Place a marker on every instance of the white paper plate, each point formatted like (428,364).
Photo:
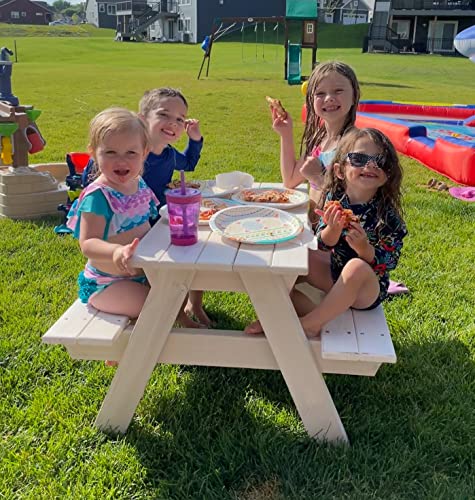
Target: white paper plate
(207,204)
(296,198)
(256,225)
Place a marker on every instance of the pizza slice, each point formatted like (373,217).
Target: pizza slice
(276,105)
(348,215)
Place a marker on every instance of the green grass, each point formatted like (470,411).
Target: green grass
(210,433)
(32,30)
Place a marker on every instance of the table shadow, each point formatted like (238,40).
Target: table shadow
(223,427)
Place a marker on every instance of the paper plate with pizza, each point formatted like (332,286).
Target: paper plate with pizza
(272,197)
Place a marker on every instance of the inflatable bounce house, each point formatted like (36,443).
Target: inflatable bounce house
(442,137)
(25,191)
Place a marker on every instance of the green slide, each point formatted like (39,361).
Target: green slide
(294,64)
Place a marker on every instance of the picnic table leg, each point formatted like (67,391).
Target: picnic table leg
(168,290)
(292,352)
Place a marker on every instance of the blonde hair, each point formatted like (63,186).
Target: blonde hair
(315,130)
(151,99)
(116,120)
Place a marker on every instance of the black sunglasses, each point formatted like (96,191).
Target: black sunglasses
(360,160)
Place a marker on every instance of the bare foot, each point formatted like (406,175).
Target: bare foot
(254,328)
(200,314)
(111,363)
(186,322)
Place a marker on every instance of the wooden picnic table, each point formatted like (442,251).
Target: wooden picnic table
(266,273)
(356,342)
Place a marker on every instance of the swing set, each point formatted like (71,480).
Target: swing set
(262,25)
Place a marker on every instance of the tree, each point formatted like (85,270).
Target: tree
(60,5)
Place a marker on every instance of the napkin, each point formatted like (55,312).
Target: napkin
(234,179)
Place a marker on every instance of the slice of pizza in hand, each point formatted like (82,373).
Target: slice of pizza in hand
(348,215)
(276,105)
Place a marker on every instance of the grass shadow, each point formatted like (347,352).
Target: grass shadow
(226,429)
(386,85)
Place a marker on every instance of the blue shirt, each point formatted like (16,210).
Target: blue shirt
(158,169)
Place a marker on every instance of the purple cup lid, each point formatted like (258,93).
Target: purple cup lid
(191,195)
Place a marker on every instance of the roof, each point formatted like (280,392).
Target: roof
(42,5)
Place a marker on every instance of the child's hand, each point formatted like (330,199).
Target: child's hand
(122,256)
(333,218)
(312,170)
(357,238)
(192,128)
(281,126)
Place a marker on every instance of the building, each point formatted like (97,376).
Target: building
(185,20)
(24,12)
(101,14)
(421,26)
(346,11)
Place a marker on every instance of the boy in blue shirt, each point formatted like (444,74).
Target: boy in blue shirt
(164,112)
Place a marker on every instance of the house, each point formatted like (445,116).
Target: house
(24,12)
(346,11)
(199,16)
(102,14)
(421,26)
(185,20)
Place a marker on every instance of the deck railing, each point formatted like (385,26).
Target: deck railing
(433,4)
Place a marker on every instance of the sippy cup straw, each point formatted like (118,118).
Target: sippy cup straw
(183,192)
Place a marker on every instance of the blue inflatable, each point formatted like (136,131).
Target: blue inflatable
(464,42)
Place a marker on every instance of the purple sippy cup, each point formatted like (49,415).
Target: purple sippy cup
(183,215)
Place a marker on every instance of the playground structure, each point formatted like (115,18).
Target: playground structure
(300,12)
(25,191)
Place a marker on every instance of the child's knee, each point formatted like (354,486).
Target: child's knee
(357,269)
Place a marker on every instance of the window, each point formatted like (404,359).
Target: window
(111,9)
(188,25)
(401,27)
(102,7)
(14,14)
(23,14)
(39,13)
(180,24)
(309,28)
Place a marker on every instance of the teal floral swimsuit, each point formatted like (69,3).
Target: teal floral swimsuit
(122,213)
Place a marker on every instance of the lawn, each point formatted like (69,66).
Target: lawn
(210,433)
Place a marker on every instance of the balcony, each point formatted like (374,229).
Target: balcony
(433,4)
(139,7)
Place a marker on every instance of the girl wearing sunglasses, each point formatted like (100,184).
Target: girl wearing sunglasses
(366,179)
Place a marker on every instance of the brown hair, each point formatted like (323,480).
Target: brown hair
(314,127)
(151,98)
(389,195)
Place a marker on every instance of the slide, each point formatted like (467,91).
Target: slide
(294,64)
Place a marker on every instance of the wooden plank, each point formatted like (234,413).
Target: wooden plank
(187,346)
(103,329)
(292,352)
(255,258)
(152,245)
(168,290)
(339,338)
(70,324)
(373,336)
(218,254)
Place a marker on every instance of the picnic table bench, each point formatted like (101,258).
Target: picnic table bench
(356,342)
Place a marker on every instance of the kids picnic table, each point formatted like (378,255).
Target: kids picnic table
(266,273)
